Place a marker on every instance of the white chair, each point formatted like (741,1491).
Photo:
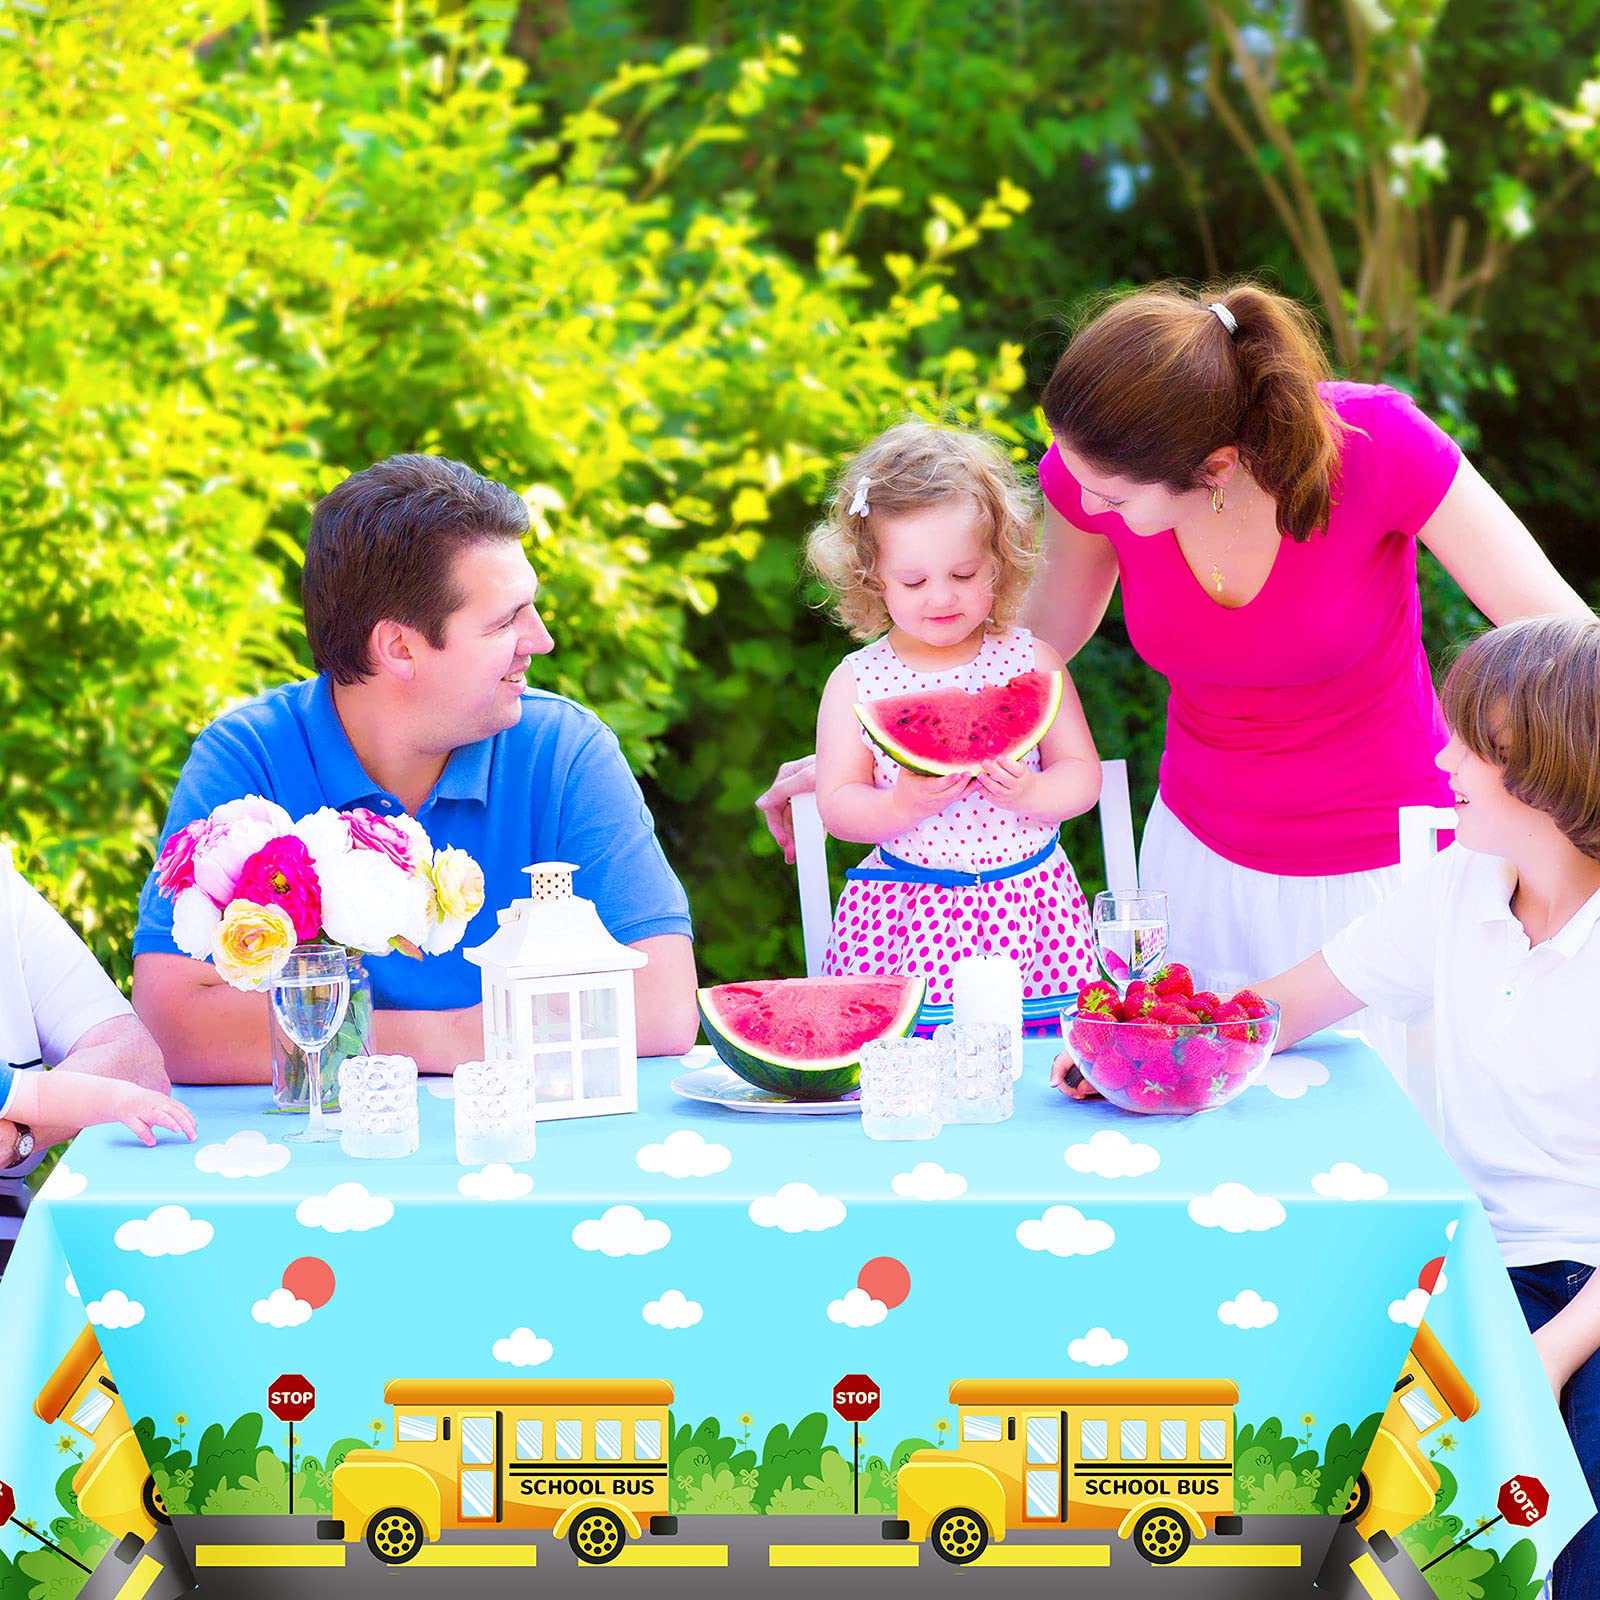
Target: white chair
(1420,827)
(811,856)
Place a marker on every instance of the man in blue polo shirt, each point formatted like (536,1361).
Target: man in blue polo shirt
(420,612)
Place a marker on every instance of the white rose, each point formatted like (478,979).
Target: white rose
(367,901)
(325,834)
(195,920)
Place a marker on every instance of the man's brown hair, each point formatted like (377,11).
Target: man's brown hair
(383,547)
(1527,698)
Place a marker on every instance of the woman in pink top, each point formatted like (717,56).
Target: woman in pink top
(1262,520)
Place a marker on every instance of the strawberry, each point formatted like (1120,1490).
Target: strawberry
(1203,1006)
(1112,1071)
(1091,1036)
(1174,981)
(1099,1000)
(1138,1000)
(1156,1087)
(1170,1012)
(1250,1003)
(1233,1023)
(1203,1057)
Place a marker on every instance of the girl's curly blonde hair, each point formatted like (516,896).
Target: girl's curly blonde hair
(911,467)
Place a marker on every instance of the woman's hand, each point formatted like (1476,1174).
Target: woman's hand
(1065,1076)
(794,777)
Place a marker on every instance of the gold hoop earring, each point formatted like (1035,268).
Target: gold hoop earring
(1216,498)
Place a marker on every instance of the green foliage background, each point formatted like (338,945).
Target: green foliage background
(658,268)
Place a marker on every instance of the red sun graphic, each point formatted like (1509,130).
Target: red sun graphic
(1429,1276)
(309,1279)
(885,1279)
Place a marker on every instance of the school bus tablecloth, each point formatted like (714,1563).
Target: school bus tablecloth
(1178,1356)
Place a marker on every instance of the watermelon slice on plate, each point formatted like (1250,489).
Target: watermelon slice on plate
(957,730)
(803,1036)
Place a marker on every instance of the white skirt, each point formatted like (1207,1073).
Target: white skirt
(1234,926)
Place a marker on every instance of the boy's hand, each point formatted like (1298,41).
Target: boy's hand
(1009,784)
(1065,1076)
(917,798)
(143,1110)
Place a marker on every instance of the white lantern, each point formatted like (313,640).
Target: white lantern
(558,993)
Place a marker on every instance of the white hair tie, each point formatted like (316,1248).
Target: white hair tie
(1224,316)
(859,506)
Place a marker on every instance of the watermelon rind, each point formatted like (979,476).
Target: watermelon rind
(925,767)
(800,1078)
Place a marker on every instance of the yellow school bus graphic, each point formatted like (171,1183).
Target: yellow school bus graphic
(585,1458)
(1153,1461)
(113,1485)
(1398,1483)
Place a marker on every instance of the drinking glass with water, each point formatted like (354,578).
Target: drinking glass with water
(309,1000)
(1130,934)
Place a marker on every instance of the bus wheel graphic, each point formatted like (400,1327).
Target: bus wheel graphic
(154,1506)
(959,1535)
(394,1536)
(1360,1499)
(597,1536)
(1161,1536)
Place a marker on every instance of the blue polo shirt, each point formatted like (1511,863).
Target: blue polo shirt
(553,788)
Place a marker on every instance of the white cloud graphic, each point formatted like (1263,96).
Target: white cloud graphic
(167,1231)
(1112,1155)
(1237,1208)
(497,1181)
(797,1208)
(1065,1231)
(116,1310)
(440,1088)
(1289,1076)
(72,1287)
(345,1208)
(929,1181)
(1411,1310)
(1247,1310)
(281,1310)
(674,1310)
(1097,1348)
(249,1154)
(622,1231)
(684,1154)
(1344,1180)
(857,1310)
(524,1348)
(1450,1232)
(63,1183)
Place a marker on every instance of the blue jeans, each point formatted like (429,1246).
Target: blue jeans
(1542,1291)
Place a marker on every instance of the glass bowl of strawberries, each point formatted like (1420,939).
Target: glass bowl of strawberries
(1162,1048)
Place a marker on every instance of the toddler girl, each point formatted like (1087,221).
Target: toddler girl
(931,537)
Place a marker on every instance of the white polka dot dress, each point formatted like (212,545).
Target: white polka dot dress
(1039,917)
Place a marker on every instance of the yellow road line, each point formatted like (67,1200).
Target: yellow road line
(1244,1555)
(138,1585)
(666,1555)
(476,1555)
(1368,1575)
(1045,1555)
(269,1555)
(842,1555)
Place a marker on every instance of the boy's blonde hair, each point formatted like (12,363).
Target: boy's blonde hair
(911,467)
(1527,698)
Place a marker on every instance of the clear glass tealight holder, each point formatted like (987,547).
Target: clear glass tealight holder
(494,1112)
(978,1077)
(378,1099)
(902,1088)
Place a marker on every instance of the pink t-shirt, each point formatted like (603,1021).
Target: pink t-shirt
(1299,723)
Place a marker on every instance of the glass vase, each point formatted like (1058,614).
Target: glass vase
(354,1038)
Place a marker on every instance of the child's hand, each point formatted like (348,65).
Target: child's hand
(1008,784)
(1065,1076)
(918,798)
(143,1110)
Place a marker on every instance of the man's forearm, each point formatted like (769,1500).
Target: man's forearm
(438,1041)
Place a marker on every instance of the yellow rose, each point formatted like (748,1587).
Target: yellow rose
(253,944)
(457,885)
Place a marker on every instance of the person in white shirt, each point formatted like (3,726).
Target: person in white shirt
(58,1009)
(1500,938)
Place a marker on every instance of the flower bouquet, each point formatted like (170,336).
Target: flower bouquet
(249,884)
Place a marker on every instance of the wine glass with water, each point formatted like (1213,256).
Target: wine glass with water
(309,999)
(1130,934)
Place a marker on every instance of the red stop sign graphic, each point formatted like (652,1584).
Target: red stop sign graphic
(856,1397)
(8,1503)
(1523,1501)
(291,1398)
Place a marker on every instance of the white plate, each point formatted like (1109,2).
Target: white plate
(722,1086)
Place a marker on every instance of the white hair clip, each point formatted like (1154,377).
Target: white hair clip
(859,506)
(1224,316)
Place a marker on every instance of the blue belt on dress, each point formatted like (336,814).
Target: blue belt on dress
(894,870)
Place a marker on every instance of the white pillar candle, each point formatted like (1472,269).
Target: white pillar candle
(989,989)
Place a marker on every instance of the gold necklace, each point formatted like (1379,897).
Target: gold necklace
(1217,578)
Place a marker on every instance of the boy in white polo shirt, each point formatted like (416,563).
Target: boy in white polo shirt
(1500,937)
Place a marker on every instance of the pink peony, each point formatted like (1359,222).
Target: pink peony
(369,831)
(233,833)
(175,865)
(281,873)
